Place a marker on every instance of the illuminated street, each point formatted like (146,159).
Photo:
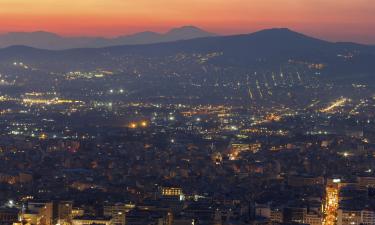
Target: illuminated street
(331,206)
(334,105)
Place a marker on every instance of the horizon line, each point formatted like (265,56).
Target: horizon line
(181,27)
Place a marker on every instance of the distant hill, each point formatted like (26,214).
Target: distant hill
(51,41)
(266,49)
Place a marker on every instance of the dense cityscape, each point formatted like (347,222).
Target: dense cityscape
(119,145)
(186,126)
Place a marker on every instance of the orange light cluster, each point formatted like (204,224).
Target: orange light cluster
(273,117)
(137,124)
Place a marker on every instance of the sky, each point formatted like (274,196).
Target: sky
(336,20)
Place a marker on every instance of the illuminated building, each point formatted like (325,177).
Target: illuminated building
(63,211)
(368,217)
(355,214)
(313,218)
(77,212)
(47,213)
(237,148)
(117,212)
(88,220)
(366,182)
(276,215)
(348,217)
(171,191)
(29,218)
(8,215)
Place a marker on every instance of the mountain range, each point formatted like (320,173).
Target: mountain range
(264,50)
(51,41)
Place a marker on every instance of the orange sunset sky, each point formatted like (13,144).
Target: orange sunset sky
(337,20)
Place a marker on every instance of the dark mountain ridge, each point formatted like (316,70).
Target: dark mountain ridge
(266,48)
(51,41)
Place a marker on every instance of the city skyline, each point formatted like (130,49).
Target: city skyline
(334,20)
(198,112)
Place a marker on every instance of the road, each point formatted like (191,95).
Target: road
(331,206)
